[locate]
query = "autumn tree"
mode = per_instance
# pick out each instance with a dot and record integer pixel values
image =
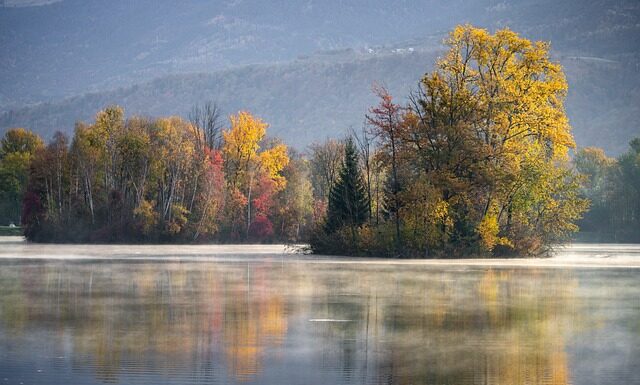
(122, 179)
(294, 207)
(613, 188)
(364, 141)
(385, 123)
(325, 163)
(325, 160)
(489, 131)
(17, 149)
(478, 160)
(628, 192)
(593, 163)
(46, 204)
(19, 140)
(206, 119)
(253, 176)
(210, 200)
(597, 186)
(148, 180)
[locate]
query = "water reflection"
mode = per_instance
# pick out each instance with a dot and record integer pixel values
(300, 322)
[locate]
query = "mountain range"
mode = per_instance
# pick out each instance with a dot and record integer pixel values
(306, 67)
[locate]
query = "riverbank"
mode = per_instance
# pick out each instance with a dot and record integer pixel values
(571, 255)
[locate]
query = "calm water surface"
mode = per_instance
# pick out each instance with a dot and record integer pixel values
(258, 315)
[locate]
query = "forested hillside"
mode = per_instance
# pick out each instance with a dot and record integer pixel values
(73, 46)
(303, 101)
(323, 95)
(309, 73)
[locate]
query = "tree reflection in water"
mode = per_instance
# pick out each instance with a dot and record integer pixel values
(249, 322)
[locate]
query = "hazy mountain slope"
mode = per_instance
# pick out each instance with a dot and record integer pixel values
(78, 45)
(248, 47)
(311, 99)
(75, 46)
(303, 101)
(603, 104)
(27, 3)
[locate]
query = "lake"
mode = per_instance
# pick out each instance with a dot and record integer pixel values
(119, 314)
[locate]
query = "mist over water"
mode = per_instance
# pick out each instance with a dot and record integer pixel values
(228, 314)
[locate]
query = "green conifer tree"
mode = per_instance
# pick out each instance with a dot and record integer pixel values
(348, 203)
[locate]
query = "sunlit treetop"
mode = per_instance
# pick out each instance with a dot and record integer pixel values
(242, 140)
(508, 85)
(19, 140)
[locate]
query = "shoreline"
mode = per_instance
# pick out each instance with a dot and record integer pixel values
(575, 255)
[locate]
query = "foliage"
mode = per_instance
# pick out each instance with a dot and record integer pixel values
(385, 123)
(254, 168)
(17, 149)
(157, 180)
(613, 187)
(477, 162)
(294, 203)
(348, 203)
(316, 96)
(325, 163)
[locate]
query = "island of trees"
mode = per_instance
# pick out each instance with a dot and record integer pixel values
(479, 161)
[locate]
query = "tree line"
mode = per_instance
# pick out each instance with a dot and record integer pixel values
(476, 162)
(166, 179)
(612, 185)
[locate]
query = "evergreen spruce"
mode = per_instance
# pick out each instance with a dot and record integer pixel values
(348, 203)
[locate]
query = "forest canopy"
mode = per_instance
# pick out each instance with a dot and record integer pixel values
(613, 188)
(479, 161)
(162, 180)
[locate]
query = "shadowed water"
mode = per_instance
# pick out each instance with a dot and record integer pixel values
(218, 315)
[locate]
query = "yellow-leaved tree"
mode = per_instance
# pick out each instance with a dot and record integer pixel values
(488, 131)
(240, 146)
(250, 169)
